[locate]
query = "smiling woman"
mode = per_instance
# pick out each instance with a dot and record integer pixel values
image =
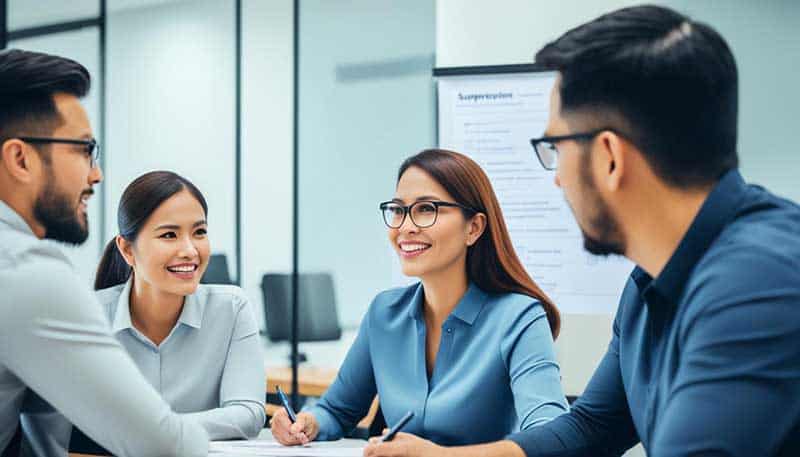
(474, 321)
(198, 345)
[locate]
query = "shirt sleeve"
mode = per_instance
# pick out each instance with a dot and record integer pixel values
(737, 388)
(598, 424)
(348, 399)
(55, 338)
(527, 350)
(241, 413)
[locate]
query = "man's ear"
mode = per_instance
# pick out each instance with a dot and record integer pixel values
(612, 155)
(19, 161)
(475, 228)
(125, 249)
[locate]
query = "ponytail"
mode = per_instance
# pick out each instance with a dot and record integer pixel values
(113, 269)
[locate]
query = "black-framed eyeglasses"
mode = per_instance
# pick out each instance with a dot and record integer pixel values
(423, 213)
(547, 151)
(91, 147)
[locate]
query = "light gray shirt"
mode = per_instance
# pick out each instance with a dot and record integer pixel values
(210, 367)
(55, 340)
(212, 363)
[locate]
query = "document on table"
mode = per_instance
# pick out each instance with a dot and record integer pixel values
(349, 448)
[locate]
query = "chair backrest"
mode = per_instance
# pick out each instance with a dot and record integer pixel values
(217, 271)
(318, 319)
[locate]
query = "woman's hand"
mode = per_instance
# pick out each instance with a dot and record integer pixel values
(403, 445)
(285, 432)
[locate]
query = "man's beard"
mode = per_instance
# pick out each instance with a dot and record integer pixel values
(59, 216)
(609, 239)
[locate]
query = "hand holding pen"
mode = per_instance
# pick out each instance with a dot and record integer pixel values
(395, 443)
(290, 428)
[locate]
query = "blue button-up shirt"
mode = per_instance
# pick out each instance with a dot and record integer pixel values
(705, 358)
(495, 371)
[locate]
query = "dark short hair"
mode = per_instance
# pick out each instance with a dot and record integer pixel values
(28, 81)
(667, 82)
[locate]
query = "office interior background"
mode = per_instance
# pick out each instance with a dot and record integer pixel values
(206, 88)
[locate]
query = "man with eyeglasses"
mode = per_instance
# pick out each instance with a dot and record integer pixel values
(54, 339)
(704, 357)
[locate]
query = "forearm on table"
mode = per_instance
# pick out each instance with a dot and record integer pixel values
(240, 420)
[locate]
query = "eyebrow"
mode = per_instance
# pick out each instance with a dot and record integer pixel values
(419, 199)
(178, 227)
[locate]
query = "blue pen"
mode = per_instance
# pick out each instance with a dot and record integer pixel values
(286, 406)
(398, 426)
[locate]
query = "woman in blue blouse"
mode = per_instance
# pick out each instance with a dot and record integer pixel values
(469, 349)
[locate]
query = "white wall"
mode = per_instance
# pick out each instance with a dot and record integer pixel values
(171, 105)
(366, 103)
(267, 123)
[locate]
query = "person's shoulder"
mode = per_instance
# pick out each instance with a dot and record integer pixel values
(41, 284)
(35, 268)
(109, 296)
(20, 250)
(763, 238)
(222, 296)
(395, 296)
(392, 302)
(764, 219)
(510, 306)
(755, 257)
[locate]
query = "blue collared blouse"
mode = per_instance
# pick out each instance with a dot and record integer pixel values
(495, 371)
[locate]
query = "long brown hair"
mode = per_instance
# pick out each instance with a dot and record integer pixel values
(492, 263)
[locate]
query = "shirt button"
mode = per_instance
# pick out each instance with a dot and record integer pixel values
(449, 330)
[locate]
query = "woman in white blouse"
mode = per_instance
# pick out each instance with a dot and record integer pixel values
(198, 345)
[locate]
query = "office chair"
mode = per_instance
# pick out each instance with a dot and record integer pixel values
(217, 271)
(317, 316)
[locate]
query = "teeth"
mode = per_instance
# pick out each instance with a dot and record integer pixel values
(186, 269)
(413, 247)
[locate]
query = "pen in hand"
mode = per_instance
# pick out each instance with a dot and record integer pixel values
(398, 426)
(286, 405)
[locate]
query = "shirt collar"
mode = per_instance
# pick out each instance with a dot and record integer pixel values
(13, 219)
(191, 315)
(466, 310)
(715, 213)
(122, 315)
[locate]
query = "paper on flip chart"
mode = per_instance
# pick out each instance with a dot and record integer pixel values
(491, 118)
(274, 449)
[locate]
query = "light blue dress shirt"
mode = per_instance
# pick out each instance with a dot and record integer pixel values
(495, 371)
(210, 367)
(55, 340)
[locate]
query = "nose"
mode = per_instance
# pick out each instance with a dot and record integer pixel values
(556, 179)
(408, 226)
(187, 248)
(95, 175)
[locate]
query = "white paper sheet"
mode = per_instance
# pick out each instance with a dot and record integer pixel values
(268, 448)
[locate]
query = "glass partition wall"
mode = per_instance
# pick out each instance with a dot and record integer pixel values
(164, 96)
